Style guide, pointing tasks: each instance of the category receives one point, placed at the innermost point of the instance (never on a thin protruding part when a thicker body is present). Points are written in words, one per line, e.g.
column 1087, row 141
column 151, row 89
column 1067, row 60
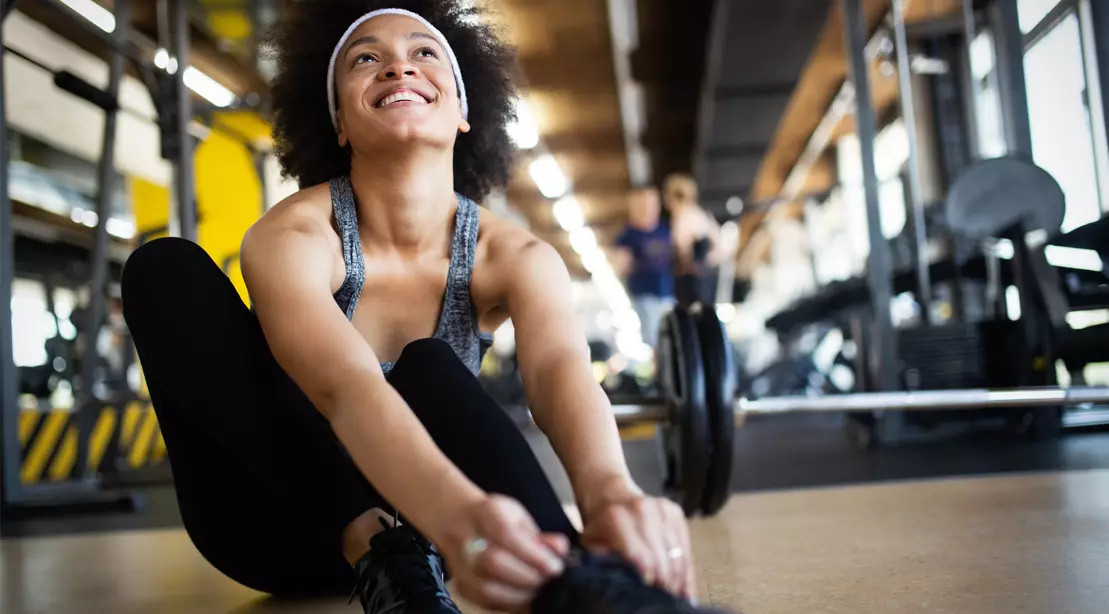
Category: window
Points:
column 1032, row 12
column 1060, row 117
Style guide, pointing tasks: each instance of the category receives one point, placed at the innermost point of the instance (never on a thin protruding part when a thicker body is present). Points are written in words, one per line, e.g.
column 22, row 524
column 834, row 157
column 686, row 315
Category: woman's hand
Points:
column 497, row 555
column 649, row 532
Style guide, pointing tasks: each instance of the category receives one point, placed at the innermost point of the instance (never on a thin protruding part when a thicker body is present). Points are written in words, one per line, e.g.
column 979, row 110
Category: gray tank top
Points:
column 458, row 324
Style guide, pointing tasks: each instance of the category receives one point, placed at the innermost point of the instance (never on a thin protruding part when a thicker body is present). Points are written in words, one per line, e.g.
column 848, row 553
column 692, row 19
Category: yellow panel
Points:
column 140, row 448
column 246, row 124
column 229, row 201
column 43, row 446
column 27, row 422
column 150, row 206
column 130, row 421
column 66, row 458
column 101, row 436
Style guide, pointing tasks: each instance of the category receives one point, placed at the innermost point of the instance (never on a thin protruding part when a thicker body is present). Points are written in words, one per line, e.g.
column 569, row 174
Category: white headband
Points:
column 333, row 108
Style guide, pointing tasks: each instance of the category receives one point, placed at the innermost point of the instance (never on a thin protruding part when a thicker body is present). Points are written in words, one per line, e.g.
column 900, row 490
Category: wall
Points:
column 37, row 108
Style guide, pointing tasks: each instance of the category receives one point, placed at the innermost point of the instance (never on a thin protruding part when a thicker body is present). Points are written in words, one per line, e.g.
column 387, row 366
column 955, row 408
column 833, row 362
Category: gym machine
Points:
column 698, row 410
column 86, row 489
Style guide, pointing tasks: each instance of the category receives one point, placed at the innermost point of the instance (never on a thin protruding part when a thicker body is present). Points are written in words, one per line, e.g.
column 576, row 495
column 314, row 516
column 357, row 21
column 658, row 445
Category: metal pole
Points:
column 928, row 400
column 9, row 407
column 1010, row 72
column 98, row 276
column 915, row 187
column 970, row 31
column 879, row 263
column 183, row 167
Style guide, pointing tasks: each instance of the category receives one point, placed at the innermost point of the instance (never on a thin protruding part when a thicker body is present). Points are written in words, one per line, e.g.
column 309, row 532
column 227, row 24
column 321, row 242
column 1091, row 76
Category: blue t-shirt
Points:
column 652, row 261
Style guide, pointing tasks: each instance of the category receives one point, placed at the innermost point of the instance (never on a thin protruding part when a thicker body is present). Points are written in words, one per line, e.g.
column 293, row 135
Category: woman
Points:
column 696, row 239
column 375, row 290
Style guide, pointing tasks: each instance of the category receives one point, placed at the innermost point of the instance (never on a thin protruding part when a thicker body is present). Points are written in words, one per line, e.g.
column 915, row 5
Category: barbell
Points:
column 699, row 408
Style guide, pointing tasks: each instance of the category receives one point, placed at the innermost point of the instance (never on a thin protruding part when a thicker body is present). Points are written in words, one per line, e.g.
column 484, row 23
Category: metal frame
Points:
column 1009, row 41
column 87, row 401
column 879, row 263
column 183, row 169
column 913, row 186
column 929, row 400
column 9, row 402
column 86, row 489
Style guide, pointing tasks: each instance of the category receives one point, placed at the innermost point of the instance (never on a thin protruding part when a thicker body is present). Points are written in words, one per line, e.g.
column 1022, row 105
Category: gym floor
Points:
column 976, row 524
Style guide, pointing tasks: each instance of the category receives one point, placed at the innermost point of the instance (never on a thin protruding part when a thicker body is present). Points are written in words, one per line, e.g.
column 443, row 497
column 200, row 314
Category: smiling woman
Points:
column 352, row 394
column 304, row 43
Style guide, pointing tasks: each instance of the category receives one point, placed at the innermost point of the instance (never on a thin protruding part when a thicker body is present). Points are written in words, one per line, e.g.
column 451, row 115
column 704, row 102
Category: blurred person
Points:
column 698, row 249
column 644, row 258
column 349, row 393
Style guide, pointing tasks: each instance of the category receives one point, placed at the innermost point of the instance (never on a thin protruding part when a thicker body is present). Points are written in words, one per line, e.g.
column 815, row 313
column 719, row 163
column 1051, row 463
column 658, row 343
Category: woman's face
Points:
column 394, row 83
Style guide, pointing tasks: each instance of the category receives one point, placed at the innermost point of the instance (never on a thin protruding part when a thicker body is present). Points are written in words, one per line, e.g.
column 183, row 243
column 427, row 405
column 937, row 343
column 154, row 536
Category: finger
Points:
column 653, row 531
column 500, row 566
column 678, row 541
column 620, row 530
column 689, row 588
column 513, row 529
column 493, row 595
column 557, row 542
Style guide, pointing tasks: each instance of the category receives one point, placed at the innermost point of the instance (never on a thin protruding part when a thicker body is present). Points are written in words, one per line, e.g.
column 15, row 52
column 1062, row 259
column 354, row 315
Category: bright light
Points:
column 626, row 319
column 1012, row 303
column 166, row 63
column 208, row 88
column 582, row 240
column 569, row 214
column 548, row 175
column 594, row 261
column 524, row 131
column 726, row 312
column 1073, row 258
column 98, row 15
column 116, row 227
column 121, row 228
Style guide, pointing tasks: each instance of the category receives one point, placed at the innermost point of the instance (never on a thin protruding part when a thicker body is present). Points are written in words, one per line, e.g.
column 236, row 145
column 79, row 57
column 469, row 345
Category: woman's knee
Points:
column 167, row 277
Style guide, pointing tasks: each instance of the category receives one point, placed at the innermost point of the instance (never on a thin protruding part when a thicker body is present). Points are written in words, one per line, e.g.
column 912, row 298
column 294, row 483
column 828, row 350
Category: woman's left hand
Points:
column 649, row 532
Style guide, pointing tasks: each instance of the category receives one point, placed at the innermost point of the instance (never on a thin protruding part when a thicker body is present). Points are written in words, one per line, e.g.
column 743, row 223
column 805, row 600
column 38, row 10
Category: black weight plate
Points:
column 720, row 393
column 685, row 434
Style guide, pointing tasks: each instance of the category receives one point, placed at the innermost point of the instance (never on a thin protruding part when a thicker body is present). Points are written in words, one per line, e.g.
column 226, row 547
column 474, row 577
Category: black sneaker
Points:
column 606, row 585
column 402, row 572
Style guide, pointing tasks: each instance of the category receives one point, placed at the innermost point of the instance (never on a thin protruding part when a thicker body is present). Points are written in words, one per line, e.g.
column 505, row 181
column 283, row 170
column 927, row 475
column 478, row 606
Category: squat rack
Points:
column 121, row 45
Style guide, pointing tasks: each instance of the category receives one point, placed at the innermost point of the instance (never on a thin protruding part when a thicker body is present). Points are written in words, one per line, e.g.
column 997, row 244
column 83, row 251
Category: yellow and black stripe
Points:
column 48, row 442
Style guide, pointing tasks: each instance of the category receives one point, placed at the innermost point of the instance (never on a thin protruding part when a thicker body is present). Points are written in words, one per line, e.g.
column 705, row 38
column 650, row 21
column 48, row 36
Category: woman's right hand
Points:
column 497, row 555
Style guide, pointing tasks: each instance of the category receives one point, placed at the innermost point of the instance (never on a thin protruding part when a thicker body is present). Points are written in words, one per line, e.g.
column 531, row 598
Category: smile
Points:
column 400, row 96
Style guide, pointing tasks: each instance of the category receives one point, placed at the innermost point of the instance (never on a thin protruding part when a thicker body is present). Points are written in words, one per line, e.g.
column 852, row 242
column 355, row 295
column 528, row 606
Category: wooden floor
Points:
column 1027, row 543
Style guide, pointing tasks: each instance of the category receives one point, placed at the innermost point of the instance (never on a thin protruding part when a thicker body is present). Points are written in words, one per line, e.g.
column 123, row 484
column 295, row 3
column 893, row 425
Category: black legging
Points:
column 265, row 489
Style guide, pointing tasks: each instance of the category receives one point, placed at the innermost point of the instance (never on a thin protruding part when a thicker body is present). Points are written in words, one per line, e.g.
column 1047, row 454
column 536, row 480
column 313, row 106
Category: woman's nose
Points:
column 399, row 69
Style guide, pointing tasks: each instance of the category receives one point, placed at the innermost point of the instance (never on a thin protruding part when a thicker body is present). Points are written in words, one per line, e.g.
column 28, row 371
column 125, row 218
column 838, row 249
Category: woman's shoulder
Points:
column 307, row 210
column 305, row 213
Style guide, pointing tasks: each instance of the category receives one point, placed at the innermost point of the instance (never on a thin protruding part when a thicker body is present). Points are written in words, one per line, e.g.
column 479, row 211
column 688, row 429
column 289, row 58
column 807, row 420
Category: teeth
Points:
column 400, row 96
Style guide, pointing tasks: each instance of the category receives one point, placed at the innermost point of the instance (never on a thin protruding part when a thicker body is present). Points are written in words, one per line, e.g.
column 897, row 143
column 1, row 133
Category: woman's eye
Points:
column 427, row 52
column 365, row 57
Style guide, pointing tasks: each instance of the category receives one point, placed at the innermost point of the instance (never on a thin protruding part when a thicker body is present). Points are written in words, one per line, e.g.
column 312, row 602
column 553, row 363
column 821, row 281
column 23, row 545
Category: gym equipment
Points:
column 699, row 409
column 719, row 366
column 682, row 379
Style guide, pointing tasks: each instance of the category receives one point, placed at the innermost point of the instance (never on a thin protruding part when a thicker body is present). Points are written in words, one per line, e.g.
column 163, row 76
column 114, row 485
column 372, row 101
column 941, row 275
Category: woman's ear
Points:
column 343, row 139
column 464, row 126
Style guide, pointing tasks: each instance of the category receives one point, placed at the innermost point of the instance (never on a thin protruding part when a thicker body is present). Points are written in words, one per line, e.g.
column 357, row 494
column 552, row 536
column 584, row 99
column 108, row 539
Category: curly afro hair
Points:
column 305, row 139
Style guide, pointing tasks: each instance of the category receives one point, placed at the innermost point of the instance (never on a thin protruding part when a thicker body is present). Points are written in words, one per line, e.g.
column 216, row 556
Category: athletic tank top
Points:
column 458, row 324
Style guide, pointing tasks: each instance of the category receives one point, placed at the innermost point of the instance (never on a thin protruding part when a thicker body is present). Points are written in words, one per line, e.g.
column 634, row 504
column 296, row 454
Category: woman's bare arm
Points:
column 567, row 403
column 288, row 264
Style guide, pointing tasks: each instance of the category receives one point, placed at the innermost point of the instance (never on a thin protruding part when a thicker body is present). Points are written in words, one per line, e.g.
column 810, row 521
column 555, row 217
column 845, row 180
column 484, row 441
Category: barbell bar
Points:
column 656, row 410
column 699, row 407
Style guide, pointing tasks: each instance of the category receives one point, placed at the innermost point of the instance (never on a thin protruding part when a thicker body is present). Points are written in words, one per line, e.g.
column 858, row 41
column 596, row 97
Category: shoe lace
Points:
column 411, row 566
column 612, row 583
